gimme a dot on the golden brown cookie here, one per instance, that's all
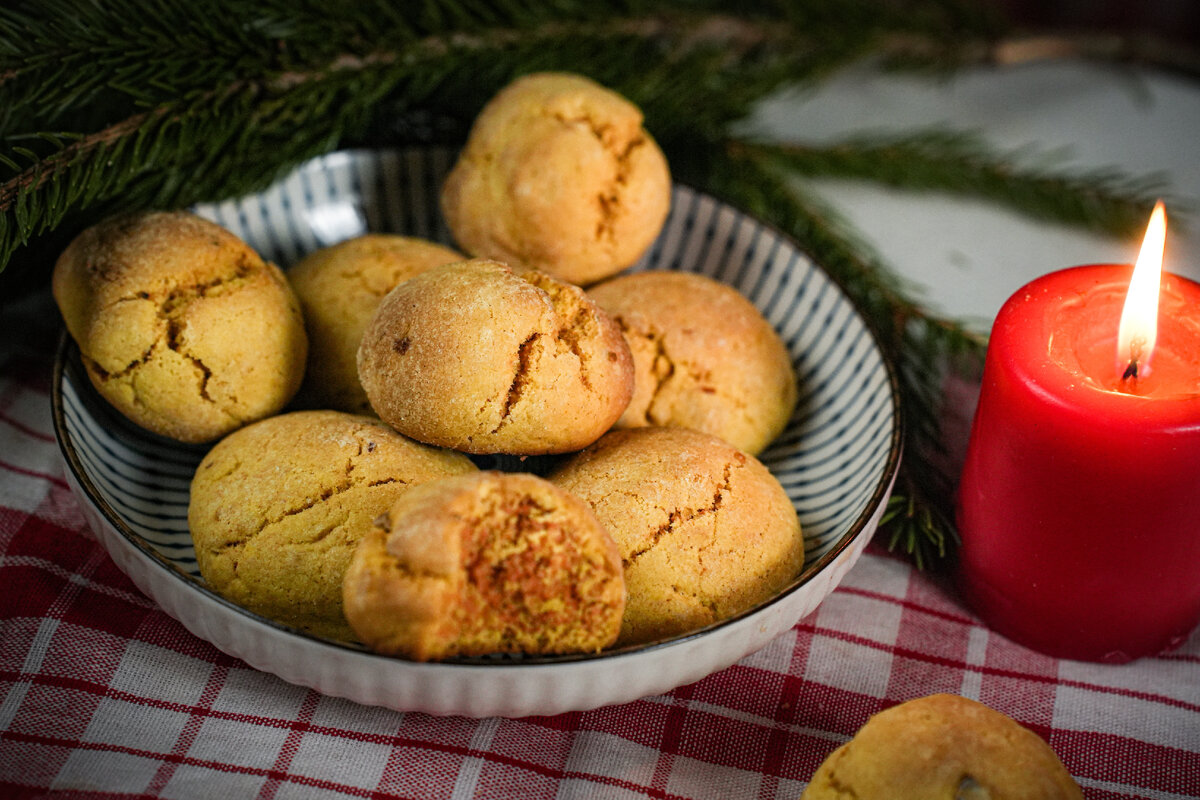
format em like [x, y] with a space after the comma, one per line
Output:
[339, 288]
[942, 746]
[181, 326]
[479, 358]
[277, 507]
[558, 174]
[704, 357]
[486, 563]
[705, 531]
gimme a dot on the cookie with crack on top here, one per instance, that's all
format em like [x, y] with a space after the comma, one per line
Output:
[558, 174]
[480, 358]
[181, 326]
[704, 529]
[704, 357]
[278, 506]
[943, 746]
[486, 563]
[339, 288]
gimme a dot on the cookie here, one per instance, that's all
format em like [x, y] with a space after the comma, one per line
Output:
[943, 746]
[339, 288]
[477, 357]
[704, 357]
[705, 531]
[181, 326]
[277, 508]
[485, 563]
[559, 175]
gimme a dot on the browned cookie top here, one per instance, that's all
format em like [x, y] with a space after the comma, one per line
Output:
[943, 746]
[704, 357]
[558, 174]
[477, 357]
[705, 530]
[339, 288]
[277, 507]
[182, 327]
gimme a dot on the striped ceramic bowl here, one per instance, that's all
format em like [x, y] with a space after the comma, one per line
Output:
[837, 458]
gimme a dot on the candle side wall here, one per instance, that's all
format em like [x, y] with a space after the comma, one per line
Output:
[1079, 508]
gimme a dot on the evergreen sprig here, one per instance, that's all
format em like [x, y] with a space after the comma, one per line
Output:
[959, 163]
[134, 104]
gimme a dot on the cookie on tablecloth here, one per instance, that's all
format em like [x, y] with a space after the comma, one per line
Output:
[339, 288]
[943, 746]
[704, 530]
[704, 357]
[181, 326]
[277, 508]
[558, 174]
[486, 563]
[480, 358]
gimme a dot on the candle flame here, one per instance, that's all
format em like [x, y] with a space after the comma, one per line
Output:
[1139, 317]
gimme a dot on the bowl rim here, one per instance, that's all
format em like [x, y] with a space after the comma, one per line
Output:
[66, 349]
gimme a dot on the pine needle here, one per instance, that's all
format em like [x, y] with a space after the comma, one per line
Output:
[1033, 183]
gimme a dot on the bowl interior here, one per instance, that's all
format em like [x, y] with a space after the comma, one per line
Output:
[835, 459]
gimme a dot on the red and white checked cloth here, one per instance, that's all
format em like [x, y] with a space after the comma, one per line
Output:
[102, 695]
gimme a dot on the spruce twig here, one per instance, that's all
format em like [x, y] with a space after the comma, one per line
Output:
[200, 105]
[960, 163]
[1109, 48]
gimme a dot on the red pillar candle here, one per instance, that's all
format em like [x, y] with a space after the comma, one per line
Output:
[1079, 506]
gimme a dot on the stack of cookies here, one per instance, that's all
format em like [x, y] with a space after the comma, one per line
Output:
[349, 396]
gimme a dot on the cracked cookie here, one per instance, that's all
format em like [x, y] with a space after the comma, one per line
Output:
[277, 507]
[339, 288]
[559, 175]
[704, 530]
[704, 357]
[477, 357]
[943, 746]
[485, 563]
[181, 326]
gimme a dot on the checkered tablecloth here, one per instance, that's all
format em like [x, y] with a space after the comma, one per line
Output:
[102, 695]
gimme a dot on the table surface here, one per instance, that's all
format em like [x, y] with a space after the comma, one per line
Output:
[104, 695]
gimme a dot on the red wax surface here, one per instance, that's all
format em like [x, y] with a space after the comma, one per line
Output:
[1079, 506]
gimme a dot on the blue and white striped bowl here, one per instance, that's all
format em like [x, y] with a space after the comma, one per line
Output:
[837, 458]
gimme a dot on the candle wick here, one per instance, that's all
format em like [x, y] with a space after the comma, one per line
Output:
[1135, 354]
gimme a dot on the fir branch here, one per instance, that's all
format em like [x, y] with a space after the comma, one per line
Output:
[959, 163]
[915, 528]
[61, 57]
[280, 94]
[1107, 48]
